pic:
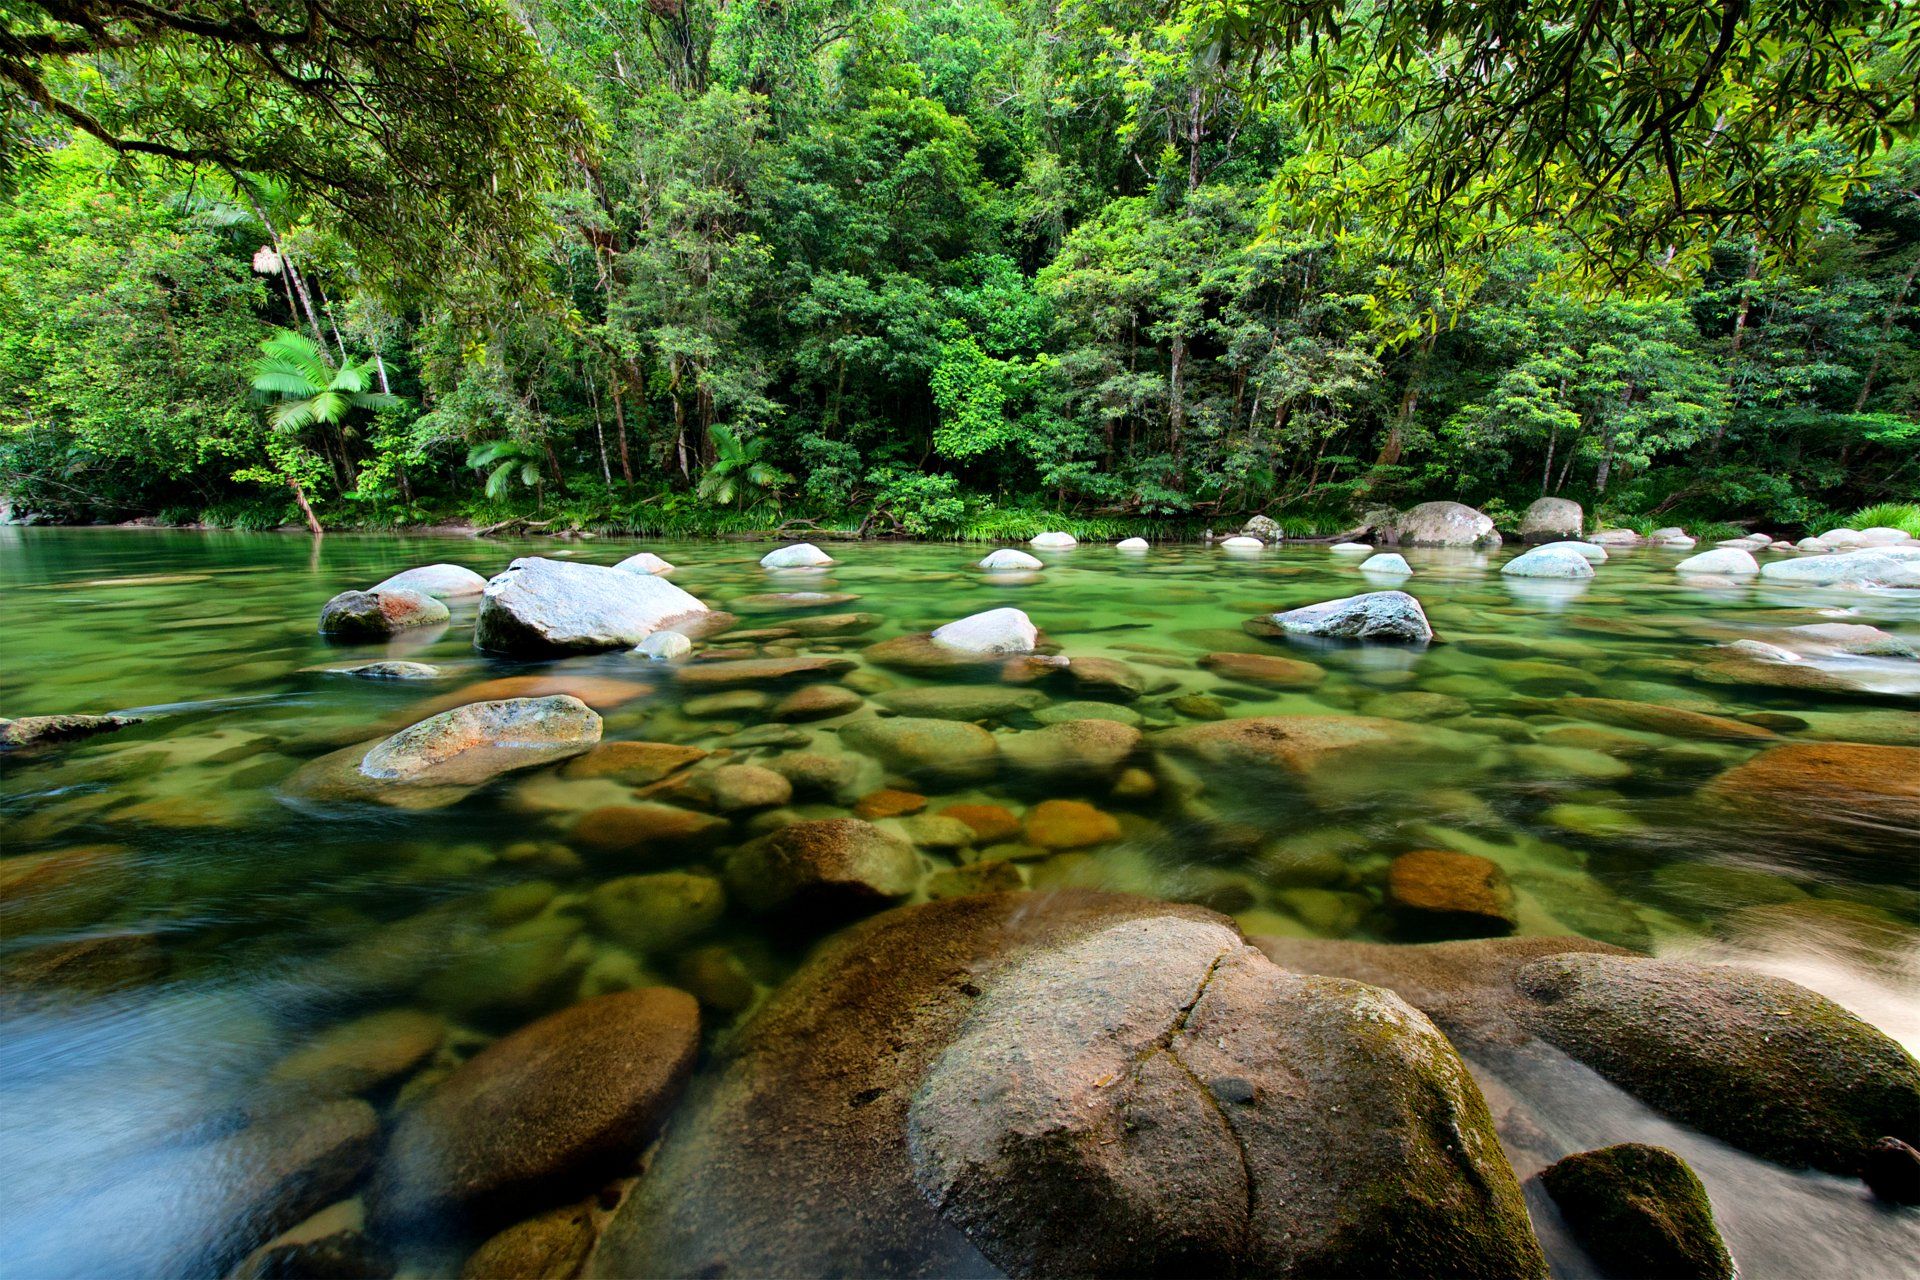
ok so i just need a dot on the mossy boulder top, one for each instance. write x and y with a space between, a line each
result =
376 614
554 606
1641 1211
1088 1085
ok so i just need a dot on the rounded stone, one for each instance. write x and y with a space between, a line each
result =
1387 563
441 581
375 615
943 749
816 702
1548 562
644 562
543 1112
1731 562
1265 669
1640 1211
1069 824
644 830
1053 541
737 788
800 555
995 631
1009 558
1438 893
824 867
648 914
1375 615
1074 749
1551 519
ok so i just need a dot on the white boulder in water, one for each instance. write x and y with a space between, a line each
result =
645 562
1842 537
1672 533
1386 562
1730 562
1445 524
1133 544
1054 541
995 631
1882 536
801 555
1876 567
1812 544
1352 548
441 581
1551 519
1616 538
664 646
1549 562
555 606
1010 558
1241 542
1376 615
1593 551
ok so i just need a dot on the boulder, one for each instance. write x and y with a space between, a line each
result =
1593 551
644 562
1104 678
664 646
390 671
480 741
1133 544
800 555
1812 544
1551 519
1375 615
1732 562
1061 712
832 624
995 631
1882 536
1242 543
548 1246
1841 537
1548 562
1069 824
353 1057
1009 558
1265 669
823 869
1264 528
1670 533
441 581
1751 1059
1852 639
1387 562
1053 541
1444 524
542 1114
1438 893
542 606
716 675
1847 795
1351 548
944 750
1105 1086
1078 749
962 701
817 702
39 731
375 615
1616 538
1865 568
1640 1211
1675 722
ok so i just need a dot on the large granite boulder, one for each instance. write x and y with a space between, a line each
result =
481 740
377 614
1727 562
1444 524
1085 1085
555 606
441 581
1374 615
1549 562
1265 528
1874 567
542 1114
1011 558
644 562
1551 519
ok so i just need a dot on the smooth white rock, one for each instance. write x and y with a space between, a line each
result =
1377 615
1811 544
1866 568
539 605
441 581
1841 537
664 646
1593 551
1881 536
1009 558
1133 544
1054 541
1616 538
801 555
1679 542
1386 562
1549 562
995 631
1352 548
1672 533
1241 543
645 562
1731 562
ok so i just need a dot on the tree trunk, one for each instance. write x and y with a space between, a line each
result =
620 427
293 275
300 496
1396 441
1176 387
1546 472
1886 330
1739 335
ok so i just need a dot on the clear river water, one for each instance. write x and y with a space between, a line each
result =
232 917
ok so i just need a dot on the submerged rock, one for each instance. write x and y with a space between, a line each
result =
1444 524
355 1056
1640 1211
1548 562
482 740
377 614
554 606
543 1113
713 675
1675 722
962 701
1082 749
1305 745
637 763
995 631
390 671
1009 558
549 1246
1106 1086
1551 519
660 912
1106 678
1375 615
1133 544
441 581
1752 1059
950 750
800 555
664 646
1845 794
1265 669
1069 824
825 869
791 601
1437 893
1387 563
1864 568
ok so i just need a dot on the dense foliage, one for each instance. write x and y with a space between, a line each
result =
959 266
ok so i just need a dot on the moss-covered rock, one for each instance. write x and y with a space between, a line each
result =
1753 1060
1641 1212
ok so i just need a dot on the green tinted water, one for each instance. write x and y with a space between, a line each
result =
231 918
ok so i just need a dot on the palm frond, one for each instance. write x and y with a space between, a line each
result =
291 415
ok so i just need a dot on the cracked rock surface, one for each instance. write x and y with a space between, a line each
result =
1076 1084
